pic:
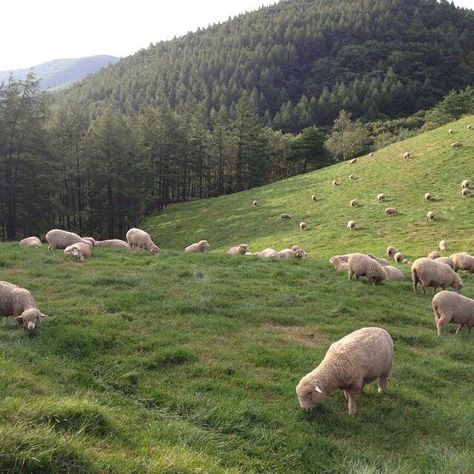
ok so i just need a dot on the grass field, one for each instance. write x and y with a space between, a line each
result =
188 363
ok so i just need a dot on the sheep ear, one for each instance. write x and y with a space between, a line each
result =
318 389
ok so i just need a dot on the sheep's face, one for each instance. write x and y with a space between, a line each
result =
244 248
74 252
155 250
458 284
309 394
204 244
30 319
299 253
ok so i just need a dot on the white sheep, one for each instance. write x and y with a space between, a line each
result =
351 225
381 197
434 274
79 250
371 154
399 257
451 307
297 247
361 265
303 226
90 239
428 197
197 247
18 302
407 154
443 245
60 239
463 261
334 183
391 251
30 242
285 217
289 253
470 127
354 203
254 203
350 363
138 239
466 192
242 249
112 244
446 260
465 183
456 145
450 131
393 273
434 255
313 197
352 177
391 211
339 264
267 253
353 161
430 216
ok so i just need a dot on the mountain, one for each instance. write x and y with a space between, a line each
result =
62 72
302 61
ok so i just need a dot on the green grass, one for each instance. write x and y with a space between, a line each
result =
188 363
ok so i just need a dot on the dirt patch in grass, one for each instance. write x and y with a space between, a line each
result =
301 334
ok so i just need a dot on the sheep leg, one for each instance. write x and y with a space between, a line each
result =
459 328
352 393
439 326
383 380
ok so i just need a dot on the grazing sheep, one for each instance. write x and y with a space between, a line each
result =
446 260
428 197
391 211
350 363
303 226
140 240
267 253
399 257
465 183
334 183
393 273
60 239
463 261
354 203
242 249
198 247
353 161
352 177
450 307
371 155
254 203
391 251
381 197
434 255
470 127
405 261
18 302
407 154
362 265
431 273
430 216
30 242
450 131
465 192
79 250
443 245
351 225
112 244
285 217
382 261
456 145
313 197
289 253
90 239
339 264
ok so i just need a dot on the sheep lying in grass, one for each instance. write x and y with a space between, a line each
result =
470 127
450 307
443 245
267 253
393 273
434 274
465 183
434 255
450 131
297 247
242 249
18 302
428 197
197 247
406 155
463 261
371 154
289 253
391 211
391 251
350 363
354 203
303 226
351 225
382 261
353 161
285 217
466 192
352 177
381 197
254 203
79 250
313 197
30 242
112 244
430 216
456 145
140 240
60 239
399 257
334 183
361 265
339 264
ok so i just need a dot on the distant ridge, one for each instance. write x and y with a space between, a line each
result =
62 72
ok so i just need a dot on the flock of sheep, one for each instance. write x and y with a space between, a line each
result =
357 359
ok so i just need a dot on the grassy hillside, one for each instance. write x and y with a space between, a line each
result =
185 364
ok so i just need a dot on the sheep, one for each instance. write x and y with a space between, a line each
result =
382 261
393 273
285 217
140 240
60 239
465 192
463 261
339 264
351 225
456 145
434 255
354 203
267 253
362 265
79 250
198 247
443 245
450 131
431 273
391 251
18 302
450 307
344 258
405 261
254 203
351 362
391 211
428 197
112 244
242 249
406 155
470 127
446 260
289 253
313 197
90 239
465 183
335 183
371 155
353 161
297 247
30 242
399 257
381 197
430 215
303 226
352 177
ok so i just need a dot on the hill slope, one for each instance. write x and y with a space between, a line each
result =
62 72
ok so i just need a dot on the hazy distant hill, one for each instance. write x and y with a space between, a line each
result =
61 72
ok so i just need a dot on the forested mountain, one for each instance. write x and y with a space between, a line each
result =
302 61
62 72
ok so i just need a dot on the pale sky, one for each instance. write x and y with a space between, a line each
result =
36 31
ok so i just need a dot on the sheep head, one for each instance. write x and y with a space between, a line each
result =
309 394
30 319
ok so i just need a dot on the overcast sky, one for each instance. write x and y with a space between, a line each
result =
35 31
